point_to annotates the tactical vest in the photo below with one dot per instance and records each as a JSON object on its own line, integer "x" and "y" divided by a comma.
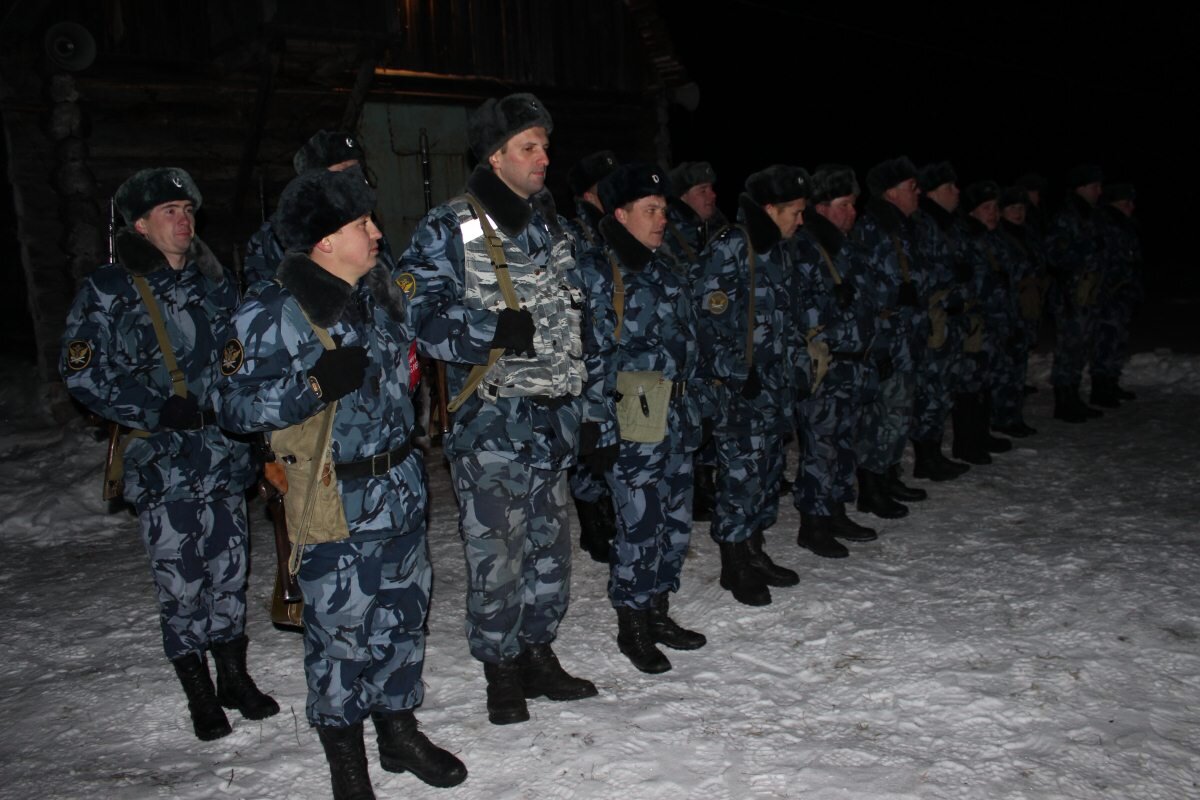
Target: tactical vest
{"x": 556, "y": 368}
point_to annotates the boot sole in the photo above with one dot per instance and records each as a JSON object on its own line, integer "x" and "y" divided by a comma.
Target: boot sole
{"x": 756, "y": 602}
{"x": 508, "y": 717}
{"x": 649, "y": 669}
{"x": 390, "y": 765}
{"x": 251, "y": 715}
{"x": 827, "y": 553}
{"x": 562, "y": 697}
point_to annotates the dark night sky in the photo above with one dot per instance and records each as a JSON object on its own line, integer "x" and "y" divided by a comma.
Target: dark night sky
{"x": 996, "y": 90}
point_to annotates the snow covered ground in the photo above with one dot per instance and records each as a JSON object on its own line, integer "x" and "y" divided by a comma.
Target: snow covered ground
{"x": 1031, "y": 631}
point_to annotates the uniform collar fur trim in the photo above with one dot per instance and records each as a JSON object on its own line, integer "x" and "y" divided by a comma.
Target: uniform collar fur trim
{"x": 138, "y": 256}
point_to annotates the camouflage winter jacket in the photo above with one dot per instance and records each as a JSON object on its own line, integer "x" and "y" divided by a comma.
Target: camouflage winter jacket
{"x": 843, "y": 318}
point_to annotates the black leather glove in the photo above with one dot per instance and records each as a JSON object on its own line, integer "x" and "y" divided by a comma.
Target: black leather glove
{"x": 845, "y": 292}
{"x": 963, "y": 272}
{"x": 589, "y": 436}
{"x": 752, "y": 388}
{"x": 908, "y": 295}
{"x": 601, "y": 459}
{"x": 885, "y": 367}
{"x": 338, "y": 372}
{"x": 514, "y": 331}
{"x": 180, "y": 414}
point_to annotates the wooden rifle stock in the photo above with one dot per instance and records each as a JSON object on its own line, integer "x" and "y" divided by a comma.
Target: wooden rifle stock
{"x": 271, "y": 489}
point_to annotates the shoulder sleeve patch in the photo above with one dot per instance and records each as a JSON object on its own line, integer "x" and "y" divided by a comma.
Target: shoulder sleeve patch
{"x": 717, "y": 302}
{"x": 233, "y": 355}
{"x": 407, "y": 284}
{"x": 79, "y": 354}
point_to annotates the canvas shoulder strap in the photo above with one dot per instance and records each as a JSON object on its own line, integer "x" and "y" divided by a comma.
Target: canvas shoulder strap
{"x": 178, "y": 379}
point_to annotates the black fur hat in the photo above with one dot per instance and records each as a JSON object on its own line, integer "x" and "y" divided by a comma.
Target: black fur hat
{"x": 325, "y": 149}
{"x": 691, "y": 173}
{"x": 1083, "y": 174}
{"x": 1013, "y": 195}
{"x": 1032, "y": 182}
{"x": 832, "y": 181}
{"x": 979, "y": 193}
{"x": 148, "y": 188}
{"x": 590, "y": 169}
{"x": 318, "y": 203}
{"x": 886, "y": 174}
{"x": 497, "y": 121}
{"x": 1114, "y": 192}
{"x": 777, "y": 184}
{"x": 631, "y": 182}
{"x": 931, "y": 176}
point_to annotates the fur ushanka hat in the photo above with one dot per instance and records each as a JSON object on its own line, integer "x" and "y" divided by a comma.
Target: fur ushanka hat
{"x": 318, "y": 203}
{"x": 148, "y": 188}
{"x": 778, "y": 184}
{"x": 325, "y": 149}
{"x": 629, "y": 183}
{"x": 497, "y": 121}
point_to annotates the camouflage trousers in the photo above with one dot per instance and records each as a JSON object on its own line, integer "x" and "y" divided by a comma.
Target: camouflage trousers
{"x": 364, "y": 611}
{"x": 933, "y": 396}
{"x": 516, "y": 535}
{"x": 652, "y": 491}
{"x": 828, "y": 424}
{"x": 883, "y": 432}
{"x": 1110, "y": 337}
{"x": 1072, "y": 331}
{"x": 1006, "y": 381}
{"x": 749, "y": 469}
{"x": 585, "y": 486}
{"x": 198, "y": 553}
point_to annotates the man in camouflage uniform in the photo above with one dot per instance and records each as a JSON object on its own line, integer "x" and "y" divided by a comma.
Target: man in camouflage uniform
{"x": 593, "y": 502}
{"x": 1025, "y": 256}
{"x": 524, "y": 417}
{"x": 183, "y": 475}
{"x": 645, "y": 324}
{"x": 834, "y": 315}
{"x": 884, "y": 242}
{"x": 320, "y": 358}
{"x": 1120, "y": 295}
{"x": 751, "y": 341}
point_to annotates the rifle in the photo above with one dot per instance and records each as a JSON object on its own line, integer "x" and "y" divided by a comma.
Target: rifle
{"x": 113, "y": 487}
{"x": 439, "y": 366}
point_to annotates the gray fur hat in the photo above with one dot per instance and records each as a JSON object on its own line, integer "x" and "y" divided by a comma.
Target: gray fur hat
{"x": 1013, "y": 195}
{"x": 325, "y": 149}
{"x": 629, "y": 183}
{"x": 777, "y": 184}
{"x": 691, "y": 173}
{"x": 148, "y": 188}
{"x": 1083, "y": 174}
{"x": 979, "y": 193}
{"x": 590, "y": 169}
{"x": 832, "y": 181}
{"x": 886, "y": 174}
{"x": 497, "y": 121}
{"x": 319, "y": 202}
{"x": 931, "y": 176}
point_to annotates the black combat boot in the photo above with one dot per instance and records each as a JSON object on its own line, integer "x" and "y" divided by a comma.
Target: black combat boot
{"x": 930, "y": 464}
{"x": 741, "y": 579}
{"x": 347, "y": 757}
{"x": 845, "y": 528}
{"x": 898, "y": 490}
{"x": 704, "y": 493}
{"x": 403, "y": 748}
{"x": 771, "y": 573}
{"x": 636, "y": 643}
{"x": 235, "y": 687}
{"x": 873, "y": 497}
{"x": 208, "y": 720}
{"x": 505, "y": 697}
{"x": 1066, "y": 406}
{"x": 1089, "y": 412}
{"x": 666, "y": 631}
{"x": 1104, "y": 392}
{"x": 597, "y": 527}
{"x": 816, "y": 533}
{"x": 542, "y": 676}
{"x": 994, "y": 444}
{"x": 968, "y": 445}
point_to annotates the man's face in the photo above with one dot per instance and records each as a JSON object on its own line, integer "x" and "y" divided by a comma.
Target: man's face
{"x": 521, "y": 163}
{"x": 170, "y": 227}
{"x": 904, "y": 196}
{"x": 1014, "y": 213}
{"x": 1090, "y": 192}
{"x": 988, "y": 213}
{"x": 945, "y": 196}
{"x": 840, "y": 211}
{"x": 645, "y": 219}
{"x": 787, "y": 216}
{"x": 354, "y": 248}
{"x": 703, "y": 200}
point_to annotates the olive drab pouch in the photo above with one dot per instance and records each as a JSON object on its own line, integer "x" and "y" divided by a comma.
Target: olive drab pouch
{"x": 645, "y": 399}
{"x": 974, "y": 341}
{"x": 937, "y": 319}
{"x": 818, "y": 351}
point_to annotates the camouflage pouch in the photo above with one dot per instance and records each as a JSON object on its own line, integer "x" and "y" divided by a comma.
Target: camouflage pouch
{"x": 974, "y": 340}
{"x": 642, "y": 409}
{"x": 1029, "y": 294}
{"x": 304, "y": 452}
{"x": 937, "y": 319}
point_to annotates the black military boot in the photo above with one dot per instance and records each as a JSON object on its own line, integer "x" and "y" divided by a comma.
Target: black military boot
{"x": 505, "y": 696}
{"x": 597, "y": 527}
{"x": 898, "y": 490}
{"x": 235, "y": 687}
{"x": 845, "y": 528}
{"x": 816, "y": 533}
{"x": 542, "y": 676}
{"x": 347, "y": 757}
{"x": 635, "y": 641}
{"x": 771, "y": 573}
{"x": 1104, "y": 392}
{"x": 208, "y": 720}
{"x": 1089, "y": 412}
{"x": 994, "y": 444}
{"x": 873, "y": 497}
{"x": 704, "y": 493}
{"x": 403, "y": 748}
{"x": 741, "y": 579}
{"x": 1066, "y": 407}
{"x": 930, "y": 464}
{"x": 666, "y": 631}
{"x": 967, "y": 444}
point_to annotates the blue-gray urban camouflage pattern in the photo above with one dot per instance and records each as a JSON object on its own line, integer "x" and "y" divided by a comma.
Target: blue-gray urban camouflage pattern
{"x": 828, "y": 423}
{"x": 264, "y": 253}
{"x": 687, "y": 235}
{"x": 1120, "y": 294}
{"x": 1075, "y": 248}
